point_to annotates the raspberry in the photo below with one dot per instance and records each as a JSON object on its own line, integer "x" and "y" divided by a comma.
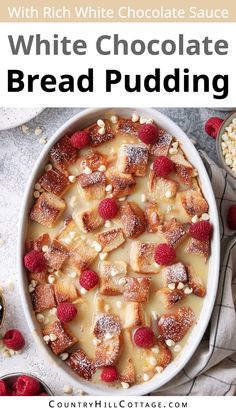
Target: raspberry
{"x": 88, "y": 279}
{"x": 162, "y": 166}
{"x": 80, "y": 139}
{"x": 212, "y": 126}
{"x": 148, "y": 133}
{"x": 201, "y": 230}
{"x": 66, "y": 312}
{"x": 27, "y": 386}
{"x": 108, "y": 208}
{"x": 4, "y": 391}
{"x": 144, "y": 337}
{"x": 231, "y": 218}
{"x": 34, "y": 261}
{"x": 14, "y": 340}
{"x": 164, "y": 254}
{"x": 109, "y": 374}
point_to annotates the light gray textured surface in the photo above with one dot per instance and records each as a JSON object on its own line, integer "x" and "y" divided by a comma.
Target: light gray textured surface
{"x": 18, "y": 152}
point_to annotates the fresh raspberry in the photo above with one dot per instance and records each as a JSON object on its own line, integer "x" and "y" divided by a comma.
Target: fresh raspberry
{"x": 88, "y": 279}
{"x": 164, "y": 254}
{"x": 201, "y": 230}
{"x": 213, "y": 125}
{"x": 34, "y": 261}
{"x": 14, "y": 340}
{"x": 231, "y": 218}
{"x": 4, "y": 391}
{"x": 80, "y": 139}
{"x": 108, "y": 208}
{"x": 43, "y": 394}
{"x": 144, "y": 337}
{"x": 66, "y": 312}
{"x": 27, "y": 386}
{"x": 148, "y": 133}
{"x": 109, "y": 374}
{"x": 162, "y": 166}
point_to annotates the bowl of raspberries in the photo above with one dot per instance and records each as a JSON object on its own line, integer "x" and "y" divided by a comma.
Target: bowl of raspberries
{"x": 20, "y": 384}
{"x": 2, "y": 309}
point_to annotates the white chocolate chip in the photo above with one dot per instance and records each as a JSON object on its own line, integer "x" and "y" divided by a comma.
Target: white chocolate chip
{"x": 37, "y": 186}
{"x": 149, "y": 121}
{"x": 73, "y": 201}
{"x": 87, "y": 170}
{"x": 195, "y": 219}
{"x": 159, "y": 369}
{"x": 205, "y": 217}
{"x": 114, "y": 119}
{"x": 170, "y": 343}
{"x": 135, "y": 117}
{"x": 83, "y": 291}
{"x": 42, "y": 141}
{"x": 72, "y": 274}
{"x": 152, "y": 361}
{"x": 173, "y": 151}
{"x": 122, "y": 198}
{"x": 143, "y": 198}
{"x": 107, "y": 224}
{"x": 171, "y": 286}
{"x": 154, "y": 314}
{"x": 180, "y": 286}
{"x": 101, "y": 131}
{"x": 72, "y": 178}
{"x": 38, "y": 131}
{"x": 25, "y": 129}
{"x": 168, "y": 194}
{"x": 108, "y": 336}
{"x": 51, "y": 279}
{"x": 121, "y": 281}
{"x": 155, "y": 349}
{"x": 36, "y": 194}
{"x": 46, "y": 339}
{"x": 97, "y": 246}
{"x": 100, "y": 123}
{"x": 45, "y": 248}
{"x": 146, "y": 377}
{"x": 118, "y": 304}
{"x": 177, "y": 348}
{"x": 64, "y": 356}
{"x": 52, "y": 337}
{"x": 188, "y": 291}
{"x": 142, "y": 120}
{"x": 102, "y": 168}
{"x": 48, "y": 167}
{"x": 67, "y": 389}
{"x": 103, "y": 255}
{"x": 40, "y": 318}
{"x": 31, "y": 288}
{"x": 124, "y": 385}
{"x": 108, "y": 188}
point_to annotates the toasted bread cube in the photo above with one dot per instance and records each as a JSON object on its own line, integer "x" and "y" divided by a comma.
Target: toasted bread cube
{"x": 164, "y": 356}
{"x": 63, "y": 154}
{"x": 133, "y": 315}
{"x": 69, "y": 233}
{"x": 153, "y": 217}
{"x": 169, "y": 298}
{"x": 128, "y": 375}
{"x": 81, "y": 364}
{"x": 111, "y": 239}
{"x": 95, "y": 137}
{"x": 136, "y": 289}
{"x": 132, "y": 159}
{"x": 106, "y": 324}
{"x": 127, "y": 127}
{"x": 65, "y": 290}
{"x": 43, "y": 298}
{"x": 195, "y": 282}
{"x": 192, "y": 202}
{"x": 173, "y": 232}
{"x": 176, "y": 273}
{"x": 142, "y": 257}
{"x": 183, "y": 168}
{"x": 161, "y": 148}
{"x": 65, "y": 338}
{"x": 81, "y": 256}
{"x": 92, "y": 186}
{"x": 107, "y": 351}
{"x": 196, "y": 247}
{"x": 132, "y": 219}
{"x": 47, "y": 209}
{"x": 174, "y": 326}
{"x": 38, "y": 243}
{"x": 55, "y": 182}
{"x": 88, "y": 220}
{"x": 56, "y": 255}
{"x": 93, "y": 160}
{"x": 122, "y": 184}
{"x": 161, "y": 188}
{"x": 110, "y": 273}
{"x": 40, "y": 277}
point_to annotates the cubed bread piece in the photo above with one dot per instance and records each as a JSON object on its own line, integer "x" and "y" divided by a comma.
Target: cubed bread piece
{"x": 56, "y": 255}
{"x": 81, "y": 256}
{"x": 110, "y": 273}
{"x": 127, "y": 374}
{"x": 136, "y": 289}
{"x": 40, "y": 277}
{"x": 43, "y": 298}
{"x": 81, "y": 364}
{"x": 169, "y": 298}
{"x": 65, "y": 338}
{"x": 55, "y": 182}
{"x": 69, "y": 233}
{"x": 92, "y": 186}
{"x": 195, "y": 282}
{"x": 93, "y": 160}
{"x": 65, "y": 290}
{"x": 183, "y": 168}
{"x": 127, "y": 127}
{"x": 106, "y": 324}
{"x": 173, "y": 232}
{"x": 198, "y": 248}
{"x": 122, "y": 184}
{"x": 176, "y": 273}
{"x": 161, "y": 148}
{"x": 47, "y": 209}
{"x": 133, "y": 315}
{"x": 38, "y": 243}
{"x": 192, "y": 202}
{"x": 164, "y": 356}
{"x": 63, "y": 154}
{"x": 88, "y": 220}
{"x": 161, "y": 189}
{"x": 132, "y": 219}
{"x": 174, "y": 326}
{"x": 132, "y": 159}
{"x": 107, "y": 351}
{"x": 142, "y": 257}
{"x": 111, "y": 239}
{"x": 153, "y": 217}
{"x": 97, "y": 138}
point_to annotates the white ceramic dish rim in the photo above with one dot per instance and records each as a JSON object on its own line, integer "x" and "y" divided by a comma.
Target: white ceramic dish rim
{"x": 84, "y": 118}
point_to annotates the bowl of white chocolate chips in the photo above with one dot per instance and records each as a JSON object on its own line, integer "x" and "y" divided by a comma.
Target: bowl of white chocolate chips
{"x": 226, "y": 144}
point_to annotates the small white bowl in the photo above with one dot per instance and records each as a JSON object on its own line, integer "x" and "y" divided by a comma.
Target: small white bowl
{"x": 79, "y": 121}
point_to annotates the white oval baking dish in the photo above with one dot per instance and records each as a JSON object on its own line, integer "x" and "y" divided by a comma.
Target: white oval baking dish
{"x": 79, "y": 121}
